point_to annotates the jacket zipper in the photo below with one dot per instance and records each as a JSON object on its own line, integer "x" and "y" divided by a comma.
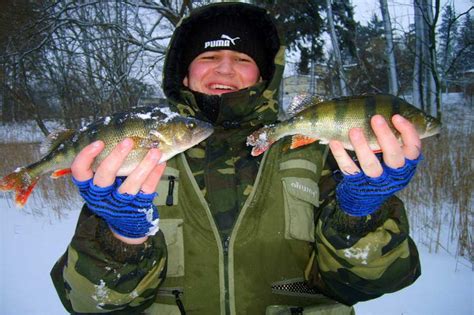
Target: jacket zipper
{"x": 225, "y": 247}
{"x": 233, "y": 234}
{"x": 169, "y": 197}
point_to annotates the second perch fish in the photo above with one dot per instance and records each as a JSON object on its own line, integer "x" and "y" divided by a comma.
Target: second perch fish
{"x": 148, "y": 127}
{"x": 313, "y": 119}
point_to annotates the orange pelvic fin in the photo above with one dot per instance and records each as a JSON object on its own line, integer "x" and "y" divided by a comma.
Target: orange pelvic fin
{"x": 21, "y": 182}
{"x": 300, "y": 140}
{"x": 256, "y": 151}
{"x": 59, "y": 173}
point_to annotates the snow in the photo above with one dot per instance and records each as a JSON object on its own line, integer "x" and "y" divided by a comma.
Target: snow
{"x": 358, "y": 253}
{"x": 33, "y": 238}
{"x": 444, "y": 287}
{"x": 107, "y": 120}
{"x": 30, "y": 244}
{"x": 170, "y": 115}
{"x": 101, "y": 294}
{"x": 144, "y": 116}
{"x": 154, "y": 223}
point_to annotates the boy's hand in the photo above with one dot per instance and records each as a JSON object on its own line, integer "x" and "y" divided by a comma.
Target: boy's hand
{"x": 126, "y": 206}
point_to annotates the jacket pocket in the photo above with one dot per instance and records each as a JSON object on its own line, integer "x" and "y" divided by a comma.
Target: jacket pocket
{"x": 168, "y": 188}
{"x": 173, "y": 231}
{"x": 300, "y": 196}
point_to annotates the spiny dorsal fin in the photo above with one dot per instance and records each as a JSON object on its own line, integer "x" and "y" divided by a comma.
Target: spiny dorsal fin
{"x": 301, "y": 102}
{"x": 54, "y": 139}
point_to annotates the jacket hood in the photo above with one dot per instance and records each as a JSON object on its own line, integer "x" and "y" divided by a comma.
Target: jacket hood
{"x": 262, "y": 94}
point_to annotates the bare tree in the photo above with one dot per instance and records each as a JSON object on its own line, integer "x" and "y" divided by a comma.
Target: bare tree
{"x": 389, "y": 48}
{"x": 455, "y": 43}
{"x": 88, "y": 57}
{"x": 336, "y": 50}
{"x": 426, "y": 86}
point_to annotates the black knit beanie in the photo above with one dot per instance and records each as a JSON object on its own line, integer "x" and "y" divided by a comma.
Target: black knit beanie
{"x": 230, "y": 32}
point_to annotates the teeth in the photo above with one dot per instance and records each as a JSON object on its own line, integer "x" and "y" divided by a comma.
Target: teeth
{"x": 222, "y": 87}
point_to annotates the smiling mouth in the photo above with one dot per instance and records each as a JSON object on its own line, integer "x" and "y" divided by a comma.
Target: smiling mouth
{"x": 222, "y": 87}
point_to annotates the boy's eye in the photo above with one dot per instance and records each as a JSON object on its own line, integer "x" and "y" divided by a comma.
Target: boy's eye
{"x": 208, "y": 57}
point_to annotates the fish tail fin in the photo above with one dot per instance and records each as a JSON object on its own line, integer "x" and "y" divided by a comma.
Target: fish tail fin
{"x": 21, "y": 182}
{"x": 261, "y": 140}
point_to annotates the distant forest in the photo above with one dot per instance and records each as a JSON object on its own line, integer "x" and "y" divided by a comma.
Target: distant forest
{"x": 73, "y": 59}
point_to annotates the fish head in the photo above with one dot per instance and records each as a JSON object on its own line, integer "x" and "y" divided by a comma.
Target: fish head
{"x": 433, "y": 126}
{"x": 180, "y": 134}
{"x": 190, "y": 131}
{"x": 425, "y": 125}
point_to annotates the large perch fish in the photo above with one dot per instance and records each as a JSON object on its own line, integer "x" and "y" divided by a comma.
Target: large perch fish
{"x": 312, "y": 119}
{"x": 148, "y": 127}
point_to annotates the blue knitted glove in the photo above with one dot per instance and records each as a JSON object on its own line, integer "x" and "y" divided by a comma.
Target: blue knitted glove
{"x": 361, "y": 195}
{"x": 132, "y": 216}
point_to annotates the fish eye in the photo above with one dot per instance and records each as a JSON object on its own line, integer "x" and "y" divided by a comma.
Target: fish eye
{"x": 191, "y": 125}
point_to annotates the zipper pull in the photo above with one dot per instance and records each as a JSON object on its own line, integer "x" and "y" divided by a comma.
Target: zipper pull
{"x": 179, "y": 303}
{"x": 226, "y": 244}
{"x": 169, "y": 198}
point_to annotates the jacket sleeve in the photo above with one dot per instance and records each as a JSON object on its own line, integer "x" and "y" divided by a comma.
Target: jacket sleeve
{"x": 361, "y": 258}
{"x": 99, "y": 273}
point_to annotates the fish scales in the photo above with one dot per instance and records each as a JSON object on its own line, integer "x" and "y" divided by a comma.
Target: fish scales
{"x": 133, "y": 128}
{"x": 332, "y": 120}
{"x": 149, "y": 128}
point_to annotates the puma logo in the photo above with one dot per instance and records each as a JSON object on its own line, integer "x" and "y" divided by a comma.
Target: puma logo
{"x": 224, "y": 36}
{"x": 225, "y": 41}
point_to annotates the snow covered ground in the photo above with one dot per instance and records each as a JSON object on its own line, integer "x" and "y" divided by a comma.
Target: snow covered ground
{"x": 30, "y": 244}
{"x": 33, "y": 238}
{"x": 444, "y": 287}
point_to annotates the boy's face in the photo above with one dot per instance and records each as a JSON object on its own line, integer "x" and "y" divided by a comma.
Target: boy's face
{"x": 221, "y": 71}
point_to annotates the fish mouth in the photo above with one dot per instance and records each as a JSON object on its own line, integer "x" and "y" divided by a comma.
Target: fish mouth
{"x": 203, "y": 130}
{"x": 433, "y": 126}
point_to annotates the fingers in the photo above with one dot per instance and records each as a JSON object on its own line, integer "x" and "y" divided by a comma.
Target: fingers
{"x": 393, "y": 155}
{"x": 411, "y": 140}
{"x": 344, "y": 161}
{"x": 153, "y": 179}
{"x": 144, "y": 177}
{"x": 144, "y": 174}
{"x": 367, "y": 159}
{"x": 81, "y": 167}
{"x": 108, "y": 168}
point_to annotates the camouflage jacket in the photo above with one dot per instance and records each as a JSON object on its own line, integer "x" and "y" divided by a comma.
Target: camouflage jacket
{"x": 326, "y": 252}
{"x": 319, "y": 250}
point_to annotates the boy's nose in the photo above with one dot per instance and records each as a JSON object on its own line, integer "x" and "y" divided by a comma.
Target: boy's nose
{"x": 225, "y": 66}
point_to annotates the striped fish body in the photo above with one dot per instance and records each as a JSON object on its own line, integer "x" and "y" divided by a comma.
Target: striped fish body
{"x": 148, "y": 127}
{"x": 332, "y": 120}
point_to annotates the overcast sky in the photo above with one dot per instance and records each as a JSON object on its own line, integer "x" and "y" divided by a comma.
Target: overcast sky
{"x": 401, "y": 11}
